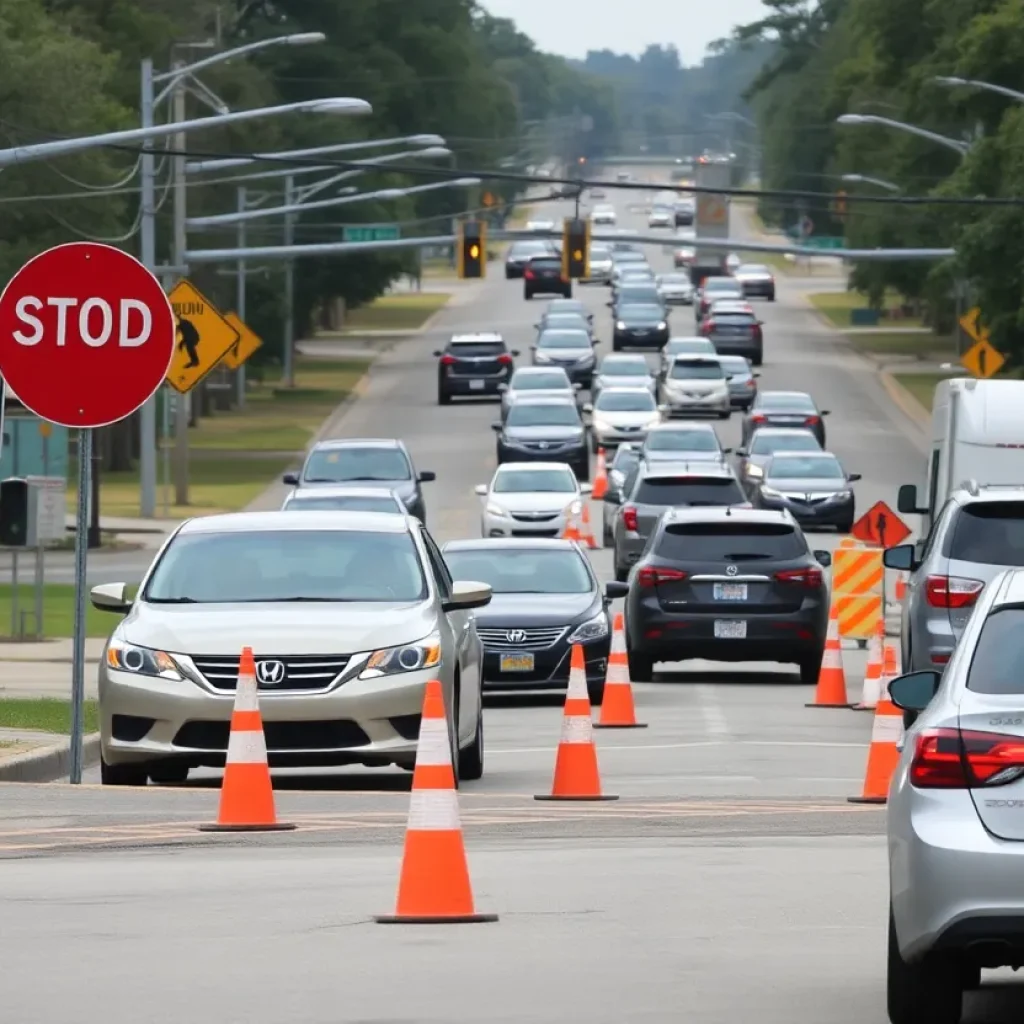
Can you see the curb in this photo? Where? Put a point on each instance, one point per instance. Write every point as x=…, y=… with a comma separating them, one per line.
x=49, y=764
x=904, y=400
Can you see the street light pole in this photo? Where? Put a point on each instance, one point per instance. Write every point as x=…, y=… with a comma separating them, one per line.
x=289, y=286
x=178, y=246
x=974, y=83
x=243, y=199
x=147, y=253
x=866, y=179
x=963, y=148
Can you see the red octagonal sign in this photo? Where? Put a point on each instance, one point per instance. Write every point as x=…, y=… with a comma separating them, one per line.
x=86, y=334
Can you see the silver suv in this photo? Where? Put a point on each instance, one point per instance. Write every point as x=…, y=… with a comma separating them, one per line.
x=955, y=821
x=978, y=533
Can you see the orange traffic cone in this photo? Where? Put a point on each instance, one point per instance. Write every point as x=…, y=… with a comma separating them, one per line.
x=617, y=708
x=434, y=886
x=600, y=476
x=831, y=690
x=586, y=534
x=246, y=795
x=872, y=689
x=570, y=530
x=576, y=773
x=886, y=731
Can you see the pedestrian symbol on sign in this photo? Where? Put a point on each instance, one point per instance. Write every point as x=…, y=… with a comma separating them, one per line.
x=188, y=341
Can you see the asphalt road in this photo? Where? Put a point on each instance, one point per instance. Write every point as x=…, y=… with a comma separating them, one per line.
x=731, y=881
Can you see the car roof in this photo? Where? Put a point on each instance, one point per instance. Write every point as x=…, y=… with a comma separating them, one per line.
x=783, y=455
x=685, y=467
x=687, y=425
x=478, y=336
x=527, y=399
x=342, y=490
x=334, y=519
x=762, y=395
x=721, y=513
x=536, y=371
x=507, y=467
x=625, y=389
x=512, y=543
x=767, y=431
x=358, y=442
x=624, y=357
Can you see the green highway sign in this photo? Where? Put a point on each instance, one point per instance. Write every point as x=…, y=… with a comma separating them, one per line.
x=824, y=242
x=371, y=233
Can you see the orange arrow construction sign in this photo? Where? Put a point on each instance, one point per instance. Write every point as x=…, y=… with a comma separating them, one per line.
x=880, y=527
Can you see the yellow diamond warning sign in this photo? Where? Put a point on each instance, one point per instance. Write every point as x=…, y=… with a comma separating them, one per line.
x=204, y=337
x=248, y=342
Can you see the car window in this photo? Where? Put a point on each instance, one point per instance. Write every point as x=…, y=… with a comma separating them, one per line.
x=938, y=528
x=625, y=459
x=471, y=349
x=599, y=253
x=682, y=441
x=351, y=502
x=725, y=284
x=524, y=415
x=689, y=345
x=730, y=542
x=988, y=532
x=540, y=382
x=616, y=367
x=686, y=369
x=566, y=319
x=689, y=491
x=998, y=662
x=767, y=444
x=348, y=465
x=619, y=401
x=547, y=481
x=519, y=249
x=546, y=262
x=287, y=565
x=809, y=467
x=564, y=339
x=734, y=319
x=524, y=571
x=800, y=403
x=735, y=365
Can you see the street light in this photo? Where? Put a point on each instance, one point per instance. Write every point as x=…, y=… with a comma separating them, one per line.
x=866, y=179
x=963, y=148
x=974, y=83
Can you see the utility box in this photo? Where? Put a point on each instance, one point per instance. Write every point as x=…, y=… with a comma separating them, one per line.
x=47, y=511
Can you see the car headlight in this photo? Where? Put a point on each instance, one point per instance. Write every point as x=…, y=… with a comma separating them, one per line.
x=662, y=326
x=389, y=661
x=653, y=421
x=843, y=495
x=494, y=509
x=620, y=325
x=592, y=629
x=600, y=426
x=574, y=508
x=541, y=357
x=141, y=661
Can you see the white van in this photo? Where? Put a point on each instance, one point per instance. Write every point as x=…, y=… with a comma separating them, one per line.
x=977, y=434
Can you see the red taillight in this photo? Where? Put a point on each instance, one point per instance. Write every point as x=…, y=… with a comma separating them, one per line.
x=803, y=577
x=812, y=421
x=629, y=519
x=505, y=360
x=952, y=591
x=528, y=274
x=648, y=577
x=757, y=418
x=707, y=326
x=951, y=759
x=447, y=360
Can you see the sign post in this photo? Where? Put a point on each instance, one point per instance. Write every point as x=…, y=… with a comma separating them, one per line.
x=86, y=338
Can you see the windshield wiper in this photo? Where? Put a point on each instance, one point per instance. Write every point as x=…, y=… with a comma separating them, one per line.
x=172, y=600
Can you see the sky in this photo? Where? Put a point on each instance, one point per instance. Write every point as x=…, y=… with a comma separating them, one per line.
x=572, y=27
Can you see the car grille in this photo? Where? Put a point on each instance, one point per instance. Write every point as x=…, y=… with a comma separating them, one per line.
x=532, y=639
x=300, y=672
x=546, y=446
x=535, y=533
x=534, y=517
x=809, y=502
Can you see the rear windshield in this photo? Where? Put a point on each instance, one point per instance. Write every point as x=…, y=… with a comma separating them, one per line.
x=682, y=441
x=540, y=382
x=730, y=542
x=625, y=368
x=725, y=284
x=689, y=345
x=766, y=444
x=625, y=401
x=470, y=349
x=352, y=465
x=996, y=665
x=690, y=491
x=734, y=319
x=735, y=365
x=798, y=403
x=683, y=370
x=564, y=339
x=343, y=502
x=990, y=532
x=546, y=262
x=520, y=249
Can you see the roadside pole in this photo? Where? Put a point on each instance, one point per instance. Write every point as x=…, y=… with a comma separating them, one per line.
x=78, y=643
x=289, y=288
x=240, y=288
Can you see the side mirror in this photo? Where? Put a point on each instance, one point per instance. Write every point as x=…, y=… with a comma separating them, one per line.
x=480, y=489
x=595, y=341
x=755, y=375
x=577, y=386
x=496, y=427
x=826, y=412
x=727, y=451
x=823, y=558
x=291, y=478
x=467, y=594
x=515, y=351
x=914, y=691
x=111, y=597
x=906, y=500
x=853, y=477
x=586, y=488
x=614, y=589
x=587, y=407
x=742, y=452
x=426, y=477
x=609, y=304
x=902, y=557
x=663, y=409
x=533, y=348
x=437, y=354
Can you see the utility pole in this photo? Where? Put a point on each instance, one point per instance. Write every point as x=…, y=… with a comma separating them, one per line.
x=289, y=288
x=147, y=253
x=179, y=246
x=240, y=267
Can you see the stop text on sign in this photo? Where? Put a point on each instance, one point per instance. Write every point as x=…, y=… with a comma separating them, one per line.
x=97, y=321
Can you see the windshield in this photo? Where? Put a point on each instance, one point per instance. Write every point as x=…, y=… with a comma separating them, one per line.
x=597, y=253
x=625, y=368
x=674, y=279
x=534, y=481
x=796, y=403
x=769, y=444
x=540, y=382
x=687, y=370
x=641, y=312
x=805, y=467
x=344, y=465
x=682, y=441
x=689, y=491
x=566, y=306
x=681, y=346
x=625, y=401
x=523, y=571
x=564, y=339
x=546, y=262
x=350, y=502
x=287, y=565
x=989, y=533
x=735, y=365
x=566, y=319
x=528, y=248
x=523, y=415
x=730, y=542
x=725, y=284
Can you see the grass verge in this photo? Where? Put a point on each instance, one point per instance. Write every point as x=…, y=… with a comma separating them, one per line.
x=45, y=715
x=234, y=456
x=406, y=312
x=58, y=611
x=921, y=386
x=839, y=306
x=895, y=343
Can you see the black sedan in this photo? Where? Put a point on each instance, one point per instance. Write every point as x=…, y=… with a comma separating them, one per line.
x=546, y=599
x=757, y=280
x=784, y=409
x=544, y=430
x=543, y=276
x=640, y=326
x=812, y=486
x=520, y=253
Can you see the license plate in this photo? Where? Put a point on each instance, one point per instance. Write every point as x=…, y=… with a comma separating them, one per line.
x=731, y=592
x=730, y=629
x=519, y=662
x=476, y=385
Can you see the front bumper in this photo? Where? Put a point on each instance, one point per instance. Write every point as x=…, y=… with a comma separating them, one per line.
x=837, y=512
x=521, y=525
x=641, y=338
x=679, y=299
x=683, y=405
x=613, y=438
x=369, y=721
x=576, y=455
x=550, y=667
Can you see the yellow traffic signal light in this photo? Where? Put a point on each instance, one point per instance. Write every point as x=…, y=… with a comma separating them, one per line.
x=471, y=249
x=576, y=249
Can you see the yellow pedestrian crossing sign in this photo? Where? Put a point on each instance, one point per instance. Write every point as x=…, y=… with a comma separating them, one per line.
x=204, y=337
x=982, y=359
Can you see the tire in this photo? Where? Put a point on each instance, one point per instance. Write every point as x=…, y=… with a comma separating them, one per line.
x=168, y=772
x=771, y=297
x=641, y=667
x=847, y=527
x=123, y=774
x=595, y=691
x=621, y=575
x=810, y=668
x=758, y=359
x=928, y=991
x=471, y=760
x=443, y=398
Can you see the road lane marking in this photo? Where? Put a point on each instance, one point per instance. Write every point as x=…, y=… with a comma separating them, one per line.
x=715, y=723
x=637, y=747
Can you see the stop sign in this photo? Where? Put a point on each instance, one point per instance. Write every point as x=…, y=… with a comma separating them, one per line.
x=86, y=334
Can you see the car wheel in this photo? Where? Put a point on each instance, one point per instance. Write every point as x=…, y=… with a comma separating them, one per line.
x=759, y=358
x=607, y=538
x=641, y=667
x=810, y=668
x=122, y=774
x=846, y=527
x=924, y=991
x=595, y=691
x=621, y=575
x=471, y=760
x=443, y=398
x=168, y=772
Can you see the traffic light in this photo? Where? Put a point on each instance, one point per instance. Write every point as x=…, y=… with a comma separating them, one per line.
x=576, y=249
x=14, y=512
x=840, y=204
x=471, y=249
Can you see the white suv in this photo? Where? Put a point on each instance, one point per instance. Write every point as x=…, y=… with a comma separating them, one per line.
x=696, y=384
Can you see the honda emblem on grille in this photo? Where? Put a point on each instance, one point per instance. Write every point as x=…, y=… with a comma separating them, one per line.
x=270, y=673
x=731, y=570
x=515, y=636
